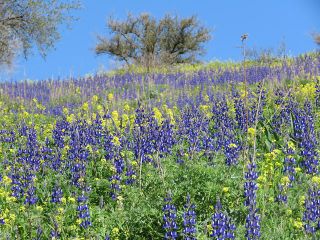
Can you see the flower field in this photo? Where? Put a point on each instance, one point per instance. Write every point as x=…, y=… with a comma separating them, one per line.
x=217, y=152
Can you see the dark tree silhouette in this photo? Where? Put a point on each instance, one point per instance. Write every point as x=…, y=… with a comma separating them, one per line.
x=145, y=41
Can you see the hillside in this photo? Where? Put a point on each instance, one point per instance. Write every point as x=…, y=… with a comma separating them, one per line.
x=222, y=151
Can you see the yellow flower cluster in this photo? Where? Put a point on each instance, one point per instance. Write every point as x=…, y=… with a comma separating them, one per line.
x=100, y=109
x=298, y=223
x=115, y=233
x=158, y=115
x=126, y=107
x=7, y=180
x=6, y=196
x=9, y=218
x=71, y=118
x=272, y=161
x=307, y=91
x=316, y=180
x=115, y=117
x=206, y=109
x=291, y=145
x=110, y=97
x=251, y=131
x=85, y=106
x=168, y=112
x=232, y=145
x=116, y=141
x=94, y=99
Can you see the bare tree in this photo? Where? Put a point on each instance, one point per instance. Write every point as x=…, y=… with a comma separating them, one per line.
x=28, y=23
x=316, y=38
x=146, y=41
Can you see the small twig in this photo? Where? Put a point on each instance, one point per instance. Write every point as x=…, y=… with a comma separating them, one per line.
x=256, y=123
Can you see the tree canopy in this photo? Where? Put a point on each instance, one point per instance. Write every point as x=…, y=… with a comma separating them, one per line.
x=28, y=23
x=316, y=38
x=147, y=41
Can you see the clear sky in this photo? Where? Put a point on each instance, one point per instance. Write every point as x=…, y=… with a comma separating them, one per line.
x=268, y=23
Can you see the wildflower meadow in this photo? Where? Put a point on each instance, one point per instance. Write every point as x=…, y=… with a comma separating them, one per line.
x=217, y=151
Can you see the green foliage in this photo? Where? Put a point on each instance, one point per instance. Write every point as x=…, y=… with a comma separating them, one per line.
x=25, y=24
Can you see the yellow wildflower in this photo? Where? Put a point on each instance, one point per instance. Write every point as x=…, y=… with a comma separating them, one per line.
x=70, y=118
x=302, y=200
x=115, y=231
x=120, y=198
x=157, y=115
x=297, y=223
x=262, y=179
x=251, y=131
x=276, y=152
x=39, y=208
x=316, y=180
x=125, y=119
x=110, y=97
x=116, y=141
x=63, y=200
x=289, y=212
x=100, y=109
x=232, y=145
x=65, y=111
x=291, y=145
x=113, y=169
x=115, y=117
x=11, y=199
x=225, y=189
x=12, y=217
x=297, y=169
x=7, y=180
x=126, y=107
x=73, y=227
x=134, y=163
x=85, y=106
x=285, y=180
x=95, y=98
x=60, y=210
x=103, y=161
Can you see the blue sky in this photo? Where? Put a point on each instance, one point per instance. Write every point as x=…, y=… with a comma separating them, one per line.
x=267, y=22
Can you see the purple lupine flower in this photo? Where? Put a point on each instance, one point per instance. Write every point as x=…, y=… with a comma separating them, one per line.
x=250, y=186
x=131, y=174
x=56, y=195
x=282, y=196
x=55, y=232
x=222, y=228
x=289, y=165
x=31, y=197
x=311, y=215
x=189, y=221
x=250, y=189
x=253, y=224
x=83, y=211
x=169, y=218
x=304, y=134
x=39, y=233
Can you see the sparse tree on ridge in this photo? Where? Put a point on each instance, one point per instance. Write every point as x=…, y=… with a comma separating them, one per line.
x=28, y=23
x=143, y=40
x=316, y=38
